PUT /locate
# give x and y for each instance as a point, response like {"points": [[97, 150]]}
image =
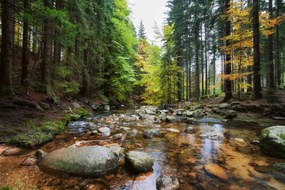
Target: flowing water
{"points": [[180, 153], [188, 156]]}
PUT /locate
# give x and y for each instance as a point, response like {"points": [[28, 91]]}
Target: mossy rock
{"points": [[272, 141], [30, 140], [38, 135]]}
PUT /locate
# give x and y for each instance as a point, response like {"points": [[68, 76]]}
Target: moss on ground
{"points": [[35, 132], [5, 187], [38, 135]]}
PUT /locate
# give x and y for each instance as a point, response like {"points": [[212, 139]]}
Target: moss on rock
{"points": [[272, 141], [38, 135]]}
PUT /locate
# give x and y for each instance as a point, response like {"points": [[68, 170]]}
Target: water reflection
{"points": [[212, 139]]}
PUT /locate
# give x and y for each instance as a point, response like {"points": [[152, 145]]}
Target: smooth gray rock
{"points": [[198, 113], [139, 161], [224, 106], [92, 161], [105, 131], [272, 141], [13, 151], [150, 133], [167, 183]]}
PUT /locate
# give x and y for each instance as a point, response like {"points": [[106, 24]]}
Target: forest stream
{"points": [[210, 154]]}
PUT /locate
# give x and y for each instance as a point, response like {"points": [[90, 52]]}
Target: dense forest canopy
{"points": [[210, 48]]}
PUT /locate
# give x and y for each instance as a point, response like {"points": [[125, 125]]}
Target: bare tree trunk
{"points": [[26, 48], [228, 65], [57, 44], [197, 62], [47, 53], [278, 61], [7, 46], [256, 48], [271, 84]]}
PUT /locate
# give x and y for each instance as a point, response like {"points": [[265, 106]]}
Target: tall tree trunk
{"points": [[202, 63], [278, 61], [271, 84], [47, 52], [206, 61], [57, 44], [7, 46], [228, 65], [256, 51], [26, 47], [214, 70], [180, 77], [197, 63]]}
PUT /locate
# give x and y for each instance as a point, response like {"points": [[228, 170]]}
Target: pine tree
{"points": [[142, 34]]}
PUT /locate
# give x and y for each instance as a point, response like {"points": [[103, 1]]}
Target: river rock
{"points": [[170, 118], [219, 111], [92, 161], [13, 151], [198, 113], [105, 131], [230, 114], [167, 183], [107, 108], [139, 161], [30, 161], [191, 129], [224, 106], [150, 133], [217, 171], [272, 141], [133, 132]]}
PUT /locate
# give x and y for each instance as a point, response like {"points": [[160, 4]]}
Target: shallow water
{"points": [[181, 155]]}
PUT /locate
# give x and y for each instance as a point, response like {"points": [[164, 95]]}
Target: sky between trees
{"points": [[149, 12]]}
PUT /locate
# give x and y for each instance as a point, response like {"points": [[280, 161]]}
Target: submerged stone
{"points": [[92, 161], [272, 141], [139, 161], [167, 183], [217, 171], [150, 133]]}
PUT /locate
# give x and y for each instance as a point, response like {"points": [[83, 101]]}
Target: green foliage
{"points": [[63, 81], [149, 65], [82, 112], [170, 69], [119, 72]]}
